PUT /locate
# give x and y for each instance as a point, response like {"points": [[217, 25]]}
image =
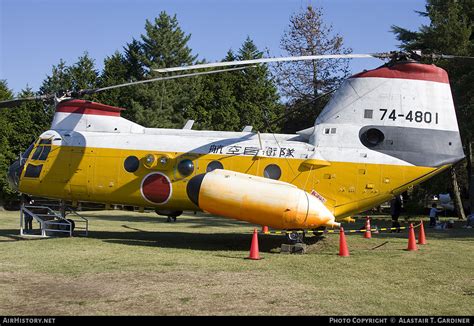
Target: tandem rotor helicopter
{"points": [[383, 131]]}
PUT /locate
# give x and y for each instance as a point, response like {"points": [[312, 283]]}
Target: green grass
{"points": [[136, 264]]}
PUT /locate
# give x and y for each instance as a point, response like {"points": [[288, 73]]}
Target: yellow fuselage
{"points": [[98, 175]]}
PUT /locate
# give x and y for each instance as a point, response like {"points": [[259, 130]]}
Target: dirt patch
{"points": [[320, 244], [170, 293]]}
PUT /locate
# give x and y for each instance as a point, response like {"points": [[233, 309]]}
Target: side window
{"points": [[272, 171], [214, 165], [33, 171]]}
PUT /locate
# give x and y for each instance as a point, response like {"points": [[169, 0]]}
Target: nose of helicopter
{"points": [[13, 175]]}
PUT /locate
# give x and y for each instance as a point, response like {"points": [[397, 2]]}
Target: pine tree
{"points": [[59, 80], [114, 73], [255, 91], [215, 107], [232, 100], [81, 75], [165, 44], [135, 67], [166, 103]]}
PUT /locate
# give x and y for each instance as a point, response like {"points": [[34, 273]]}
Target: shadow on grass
{"points": [[200, 220], [178, 240], [185, 240]]}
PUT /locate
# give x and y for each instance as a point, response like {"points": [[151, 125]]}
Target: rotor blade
{"points": [[93, 91], [266, 60], [17, 101], [448, 56]]}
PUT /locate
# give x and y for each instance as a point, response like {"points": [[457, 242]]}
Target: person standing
{"points": [[28, 218], [434, 215], [395, 210]]}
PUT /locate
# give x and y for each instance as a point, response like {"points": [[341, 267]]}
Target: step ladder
{"points": [[52, 222]]}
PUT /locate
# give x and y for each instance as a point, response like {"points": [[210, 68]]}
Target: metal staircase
{"points": [[53, 223]]}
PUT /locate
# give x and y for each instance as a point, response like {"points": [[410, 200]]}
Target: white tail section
{"points": [[404, 112]]}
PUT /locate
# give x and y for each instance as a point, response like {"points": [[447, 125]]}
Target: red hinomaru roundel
{"points": [[156, 188]]}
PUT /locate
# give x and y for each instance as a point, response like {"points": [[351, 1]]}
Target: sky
{"points": [[36, 34]]}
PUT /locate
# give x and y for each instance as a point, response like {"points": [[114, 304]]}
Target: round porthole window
{"points": [[186, 167], [214, 165], [372, 137], [272, 171], [131, 164]]}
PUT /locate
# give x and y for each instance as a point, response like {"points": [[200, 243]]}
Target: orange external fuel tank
{"points": [[258, 200]]}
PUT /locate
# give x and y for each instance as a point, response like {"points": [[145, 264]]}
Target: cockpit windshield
{"points": [[42, 151]]}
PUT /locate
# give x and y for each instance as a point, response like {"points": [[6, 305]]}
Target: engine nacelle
{"points": [[258, 200]]}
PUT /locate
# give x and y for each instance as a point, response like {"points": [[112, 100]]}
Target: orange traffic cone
{"points": [[264, 229], [254, 255], [421, 235], [367, 233], [343, 250], [411, 239]]}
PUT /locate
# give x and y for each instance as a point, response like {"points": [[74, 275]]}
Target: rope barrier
{"points": [[336, 231], [361, 230]]}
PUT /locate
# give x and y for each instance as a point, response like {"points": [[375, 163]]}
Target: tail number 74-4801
{"points": [[412, 116]]}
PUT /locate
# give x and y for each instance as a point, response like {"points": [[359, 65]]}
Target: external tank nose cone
{"points": [[194, 187]]}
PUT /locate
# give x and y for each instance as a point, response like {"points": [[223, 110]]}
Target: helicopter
{"points": [[383, 131]]}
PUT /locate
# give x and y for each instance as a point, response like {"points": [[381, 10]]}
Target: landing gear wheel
{"points": [[295, 237]]}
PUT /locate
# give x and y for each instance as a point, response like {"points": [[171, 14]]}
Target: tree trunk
{"points": [[457, 195], [470, 175]]}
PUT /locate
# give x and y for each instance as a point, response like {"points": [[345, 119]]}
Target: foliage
{"points": [[20, 126], [232, 100], [449, 32]]}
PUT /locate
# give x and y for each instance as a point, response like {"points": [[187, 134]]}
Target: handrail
{"points": [[84, 220]]}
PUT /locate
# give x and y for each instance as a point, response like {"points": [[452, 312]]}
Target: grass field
{"points": [[136, 264]]}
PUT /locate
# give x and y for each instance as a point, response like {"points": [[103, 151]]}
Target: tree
{"points": [[303, 82], [232, 100], [255, 91], [450, 32], [81, 75], [215, 107], [5, 153], [20, 126], [165, 44], [162, 104], [114, 73], [122, 68]]}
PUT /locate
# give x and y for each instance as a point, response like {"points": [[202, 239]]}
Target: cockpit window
{"points": [[42, 151], [37, 153], [45, 141], [33, 171]]}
